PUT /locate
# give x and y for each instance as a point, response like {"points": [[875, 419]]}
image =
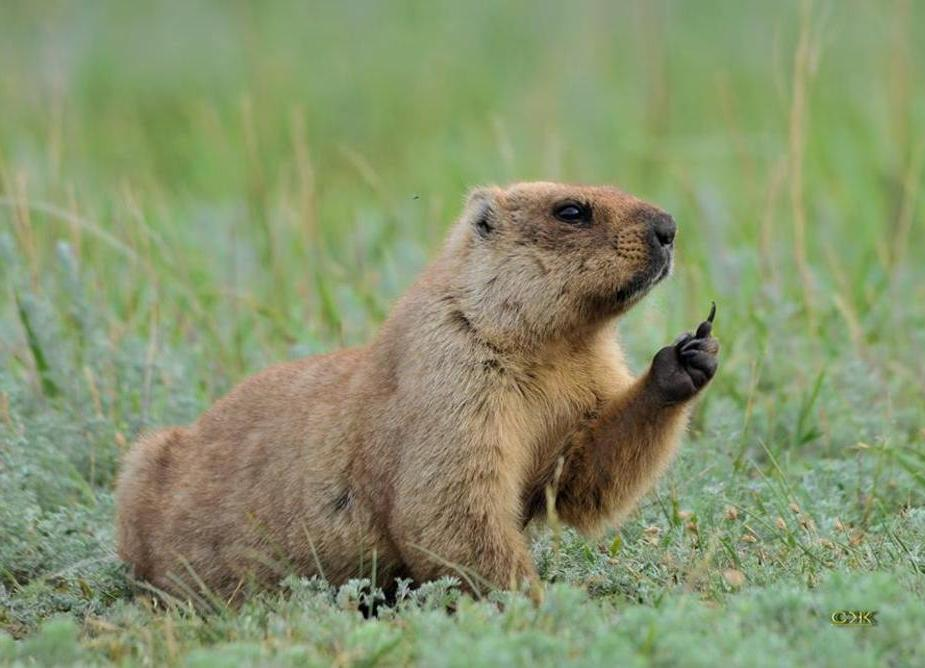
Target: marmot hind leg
{"points": [[147, 471]]}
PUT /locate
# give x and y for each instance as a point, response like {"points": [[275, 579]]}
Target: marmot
{"points": [[428, 451]]}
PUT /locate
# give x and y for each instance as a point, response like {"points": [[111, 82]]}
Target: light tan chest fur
{"points": [[539, 406]]}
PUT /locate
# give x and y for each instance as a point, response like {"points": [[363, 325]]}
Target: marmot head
{"points": [[542, 260]]}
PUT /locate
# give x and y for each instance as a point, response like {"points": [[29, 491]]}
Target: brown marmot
{"points": [[428, 451]]}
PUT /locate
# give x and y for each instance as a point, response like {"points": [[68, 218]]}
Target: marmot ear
{"points": [[482, 210]]}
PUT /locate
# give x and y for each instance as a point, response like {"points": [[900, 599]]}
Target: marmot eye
{"points": [[572, 213]]}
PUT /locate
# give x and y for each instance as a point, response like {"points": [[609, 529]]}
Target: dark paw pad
{"points": [[681, 370]]}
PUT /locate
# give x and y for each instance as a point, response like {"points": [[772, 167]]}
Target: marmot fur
{"points": [[428, 451]]}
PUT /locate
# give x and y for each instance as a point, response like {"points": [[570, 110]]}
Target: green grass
{"points": [[191, 191]]}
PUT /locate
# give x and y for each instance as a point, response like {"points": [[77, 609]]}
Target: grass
{"points": [[191, 191]]}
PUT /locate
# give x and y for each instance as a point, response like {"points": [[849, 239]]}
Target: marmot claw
{"points": [[681, 370]]}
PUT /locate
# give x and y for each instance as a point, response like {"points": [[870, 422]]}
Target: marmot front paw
{"points": [[681, 370]]}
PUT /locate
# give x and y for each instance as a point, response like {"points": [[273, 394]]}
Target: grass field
{"points": [[191, 191]]}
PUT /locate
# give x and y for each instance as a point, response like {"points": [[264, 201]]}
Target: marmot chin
{"points": [[428, 451]]}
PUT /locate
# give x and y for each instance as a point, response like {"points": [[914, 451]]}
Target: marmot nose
{"points": [[664, 228]]}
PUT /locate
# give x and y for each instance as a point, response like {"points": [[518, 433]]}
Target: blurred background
{"points": [[190, 191], [283, 169], [236, 183]]}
